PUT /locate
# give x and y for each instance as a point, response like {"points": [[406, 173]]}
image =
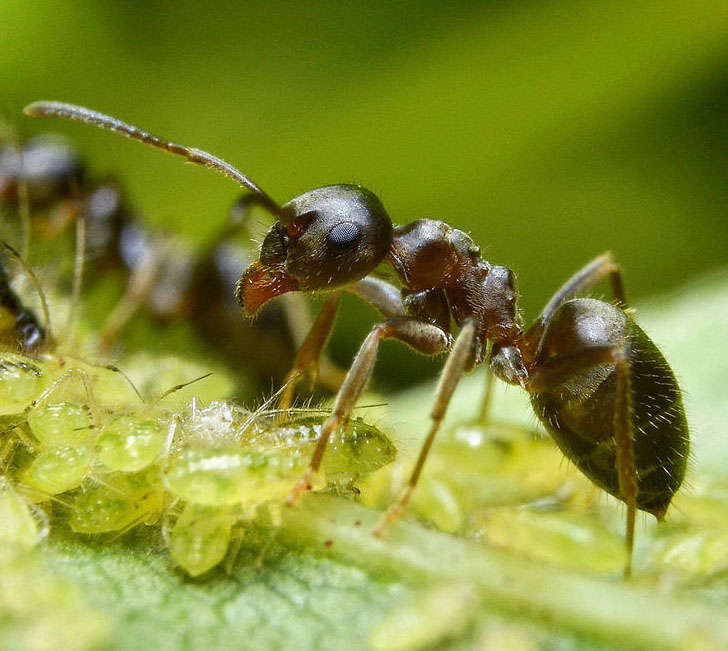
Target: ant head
{"points": [[325, 239]]}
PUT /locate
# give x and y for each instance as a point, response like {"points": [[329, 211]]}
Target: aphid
{"points": [[18, 527], [117, 501], [597, 382], [131, 443], [48, 166], [58, 470], [259, 461], [200, 538]]}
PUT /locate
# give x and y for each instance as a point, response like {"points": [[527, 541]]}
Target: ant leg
{"points": [[588, 276], [424, 337], [138, 287], [549, 374], [308, 355], [460, 357], [624, 440], [487, 393]]}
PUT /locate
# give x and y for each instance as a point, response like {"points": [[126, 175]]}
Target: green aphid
{"points": [[59, 424], [18, 528], [358, 450], [269, 458], [21, 380], [224, 476], [59, 470], [117, 502], [200, 538], [130, 444]]}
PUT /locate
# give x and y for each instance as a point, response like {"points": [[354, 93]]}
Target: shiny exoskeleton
{"points": [[597, 382]]}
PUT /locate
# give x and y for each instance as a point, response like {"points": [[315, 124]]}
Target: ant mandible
{"points": [[596, 381]]}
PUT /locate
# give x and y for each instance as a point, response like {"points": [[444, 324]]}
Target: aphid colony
{"points": [[78, 446]]}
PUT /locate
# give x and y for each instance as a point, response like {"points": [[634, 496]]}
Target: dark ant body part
{"points": [[597, 382], [19, 327]]}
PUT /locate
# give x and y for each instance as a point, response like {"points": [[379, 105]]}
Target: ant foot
{"points": [[393, 512], [302, 485]]}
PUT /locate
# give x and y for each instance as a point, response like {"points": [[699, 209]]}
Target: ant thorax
{"points": [[444, 275]]}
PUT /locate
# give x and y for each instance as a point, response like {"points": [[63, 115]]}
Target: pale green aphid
{"points": [[21, 380], [200, 538], [263, 466], [18, 528], [58, 424], [359, 449], [117, 502], [56, 471], [131, 444], [223, 476]]}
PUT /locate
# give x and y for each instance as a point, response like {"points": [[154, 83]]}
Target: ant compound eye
{"points": [[344, 235]]}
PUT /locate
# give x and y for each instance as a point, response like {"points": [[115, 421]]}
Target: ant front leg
{"points": [[423, 337], [309, 354]]}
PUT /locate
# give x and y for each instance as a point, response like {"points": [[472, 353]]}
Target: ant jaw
{"points": [[260, 283]]}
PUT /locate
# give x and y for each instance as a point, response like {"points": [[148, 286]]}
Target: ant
{"points": [[599, 385]]}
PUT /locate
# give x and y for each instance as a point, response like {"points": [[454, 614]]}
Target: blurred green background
{"points": [[551, 131]]}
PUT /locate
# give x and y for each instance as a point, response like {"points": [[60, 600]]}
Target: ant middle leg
{"points": [[460, 358], [423, 337]]}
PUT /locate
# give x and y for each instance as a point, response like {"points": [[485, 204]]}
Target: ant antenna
{"points": [[38, 288], [192, 154]]}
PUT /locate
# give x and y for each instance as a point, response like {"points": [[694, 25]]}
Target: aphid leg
{"points": [[424, 337], [460, 358], [551, 373], [307, 358], [140, 284]]}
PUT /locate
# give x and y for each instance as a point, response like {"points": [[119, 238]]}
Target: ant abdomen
{"points": [[580, 403]]}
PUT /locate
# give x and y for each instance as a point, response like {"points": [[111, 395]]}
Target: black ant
{"points": [[596, 381]]}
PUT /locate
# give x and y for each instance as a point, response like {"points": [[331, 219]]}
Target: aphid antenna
{"points": [[38, 288], [263, 408], [191, 154], [319, 410], [97, 479], [178, 387]]}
